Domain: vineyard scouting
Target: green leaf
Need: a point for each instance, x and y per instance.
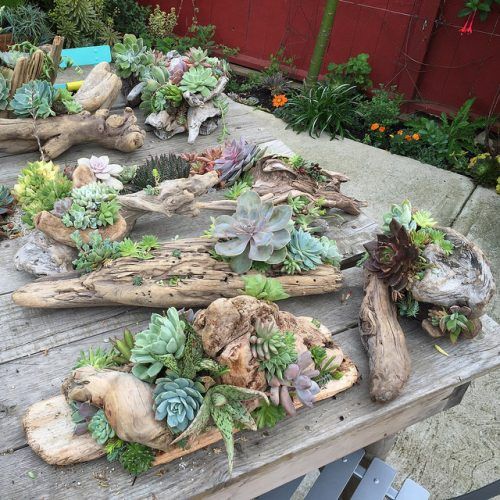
(268, 415)
(261, 287)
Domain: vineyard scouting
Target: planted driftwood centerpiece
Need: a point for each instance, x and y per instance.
(186, 382)
(420, 271)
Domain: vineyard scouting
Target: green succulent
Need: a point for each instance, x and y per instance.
(305, 250)
(167, 166)
(256, 232)
(223, 405)
(97, 358)
(157, 97)
(266, 341)
(408, 306)
(33, 99)
(267, 415)
(95, 253)
(402, 213)
(100, 429)
(131, 57)
(136, 458)
(263, 288)
(280, 357)
(6, 199)
(67, 101)
(177, 400)
(4, 92)
(198, 80)
(198, 56)
(160, 346)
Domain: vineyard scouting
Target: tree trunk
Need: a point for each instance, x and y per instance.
(322, 40)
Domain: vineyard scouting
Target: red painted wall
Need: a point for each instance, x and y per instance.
(414, 44)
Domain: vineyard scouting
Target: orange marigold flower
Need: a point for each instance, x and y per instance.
(279, 100)
(399, 132)
(374, 126)
(408, 137)
(415, 136)
(381, 129)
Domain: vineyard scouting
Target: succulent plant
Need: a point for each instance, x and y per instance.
(197, 56)
(103, 170)
(159, 93)
(128, 173)
(136, 458)
(100, 429)
(237, 157)
(392, 257)
(131, 56)
(305, 250)
(454, 322)
(81, 415)
(95, 253)
(167, 167)
(198, 80)
(266, 340)
(65, 102)
(177, 400)
(256, 232)
(402, 214)
(223, 404)
(203, 162)
(161, 345)
(33, 99)
(4, 92)
(275, 82)
(298, 378)
(6, 200)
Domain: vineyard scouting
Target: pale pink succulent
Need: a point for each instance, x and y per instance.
(104, 171)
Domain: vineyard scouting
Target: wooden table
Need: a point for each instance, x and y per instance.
(38, 349)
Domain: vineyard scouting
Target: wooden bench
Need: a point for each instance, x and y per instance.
(38, 349)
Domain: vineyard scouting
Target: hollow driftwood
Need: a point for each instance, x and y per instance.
(384, 340)
(127, 401)
(181, 274)
(59, 133)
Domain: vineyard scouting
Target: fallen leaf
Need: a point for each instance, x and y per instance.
(441, 350)
(31, 474)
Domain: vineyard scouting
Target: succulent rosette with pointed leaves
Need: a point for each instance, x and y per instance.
(103, 170)
(256, 232)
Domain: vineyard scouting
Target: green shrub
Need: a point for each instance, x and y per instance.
(383, 108)
(356, 71)
(322, 108)
(28, 23)
(128, 16)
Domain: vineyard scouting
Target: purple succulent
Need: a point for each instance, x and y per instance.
(104, 171)
(297, 378)
(62, 206)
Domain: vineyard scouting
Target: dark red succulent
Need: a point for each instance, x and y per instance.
(392, 256)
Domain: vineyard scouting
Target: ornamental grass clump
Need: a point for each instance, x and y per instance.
(256, 232)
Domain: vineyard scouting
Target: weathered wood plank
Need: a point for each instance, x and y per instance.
(266, 459)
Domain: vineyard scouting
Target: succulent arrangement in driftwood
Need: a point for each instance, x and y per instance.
(187, 381)
(421, 271)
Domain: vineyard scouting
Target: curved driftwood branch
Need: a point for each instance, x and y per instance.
(384, 340)
(463, 278)
(59, 133)
(192, 279)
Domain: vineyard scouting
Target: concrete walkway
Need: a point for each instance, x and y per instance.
(458, 450)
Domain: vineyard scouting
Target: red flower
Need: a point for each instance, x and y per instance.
(467, 27)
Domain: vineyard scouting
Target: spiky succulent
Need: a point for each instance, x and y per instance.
(161, 345)
(33, 99)
(454, 322)
(177, 400)
(223, 405)
(131, 56)
(237, 157)
(6, 200)
(392, 256)
(256, 232)
(167, 166)
(136, 458)
(298, 378)
(275, 82)
(266, 340)
(283, 354)
(4, 93)
(198, 80)
(100, 429)
(94, 205)
(196, 56)
(104, 171)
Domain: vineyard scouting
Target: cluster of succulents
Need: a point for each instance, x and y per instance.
(256, 232)
(177, 400)
(160, 346)
(203, 162)
(105, 172)
(40, 185)
(165, 166)
(237, 157)
(198, 80)
(159, 92)
(131, 56)
(93, 205)
(454, 322)
(95, 253)
(33, 99)
(266, 341)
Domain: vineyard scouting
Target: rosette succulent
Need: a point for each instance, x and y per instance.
(33, 99)
(198, 80)
(104, 171)
(237, 157)
(131, 57)
(161, 345)
(196, 56)
(256, 232)
(177, 400)
(266, 341)
(100, 429)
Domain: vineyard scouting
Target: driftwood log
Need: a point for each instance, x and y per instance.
(59, 133)
(384, 341)
(127, 401)
(190, 279)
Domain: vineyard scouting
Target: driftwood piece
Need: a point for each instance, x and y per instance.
(55, 54)
(384, 340)
(197, 280)
(100, 89)
(463, 278)
(59, 133)
(199, 116)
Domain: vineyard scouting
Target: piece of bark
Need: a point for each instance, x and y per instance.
(99, 89)
(26, 69)
(55, 54)
(82, 175)
(384, 340)
(54, 228)
(463, 278)
(198, 280)
(43, 256)
(59, 133)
